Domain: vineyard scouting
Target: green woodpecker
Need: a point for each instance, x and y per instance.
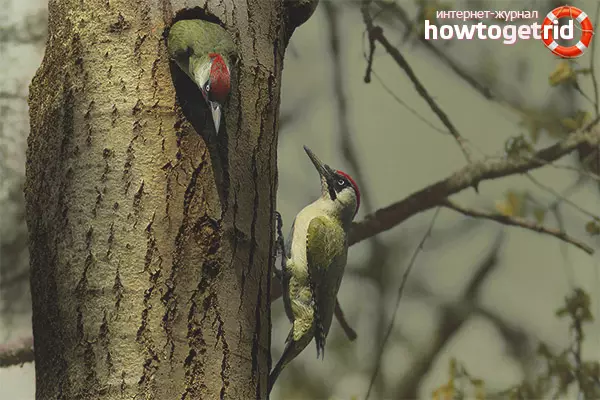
(204, 51)
(315, 260)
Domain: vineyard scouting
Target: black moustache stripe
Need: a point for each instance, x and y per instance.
(332, 192)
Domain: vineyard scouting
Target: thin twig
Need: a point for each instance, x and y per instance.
(579, 90)
(454, 315)
(377, 34)
(520, 222)
(350, 333)
(12, 96)
(581, 171)
(466, 76)
(369, 25)
(400, 291)
(564, 248)
(434, 194)
(565, 194)
(592, 66)
(405, 105)
(554, 208)
(16, 353)
(561, 197)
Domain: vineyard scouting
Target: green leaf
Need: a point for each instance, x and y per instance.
(592, 228)
(513, 204)
(563, 73)
(577, 121)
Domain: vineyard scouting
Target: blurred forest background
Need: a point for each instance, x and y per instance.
(479, 310)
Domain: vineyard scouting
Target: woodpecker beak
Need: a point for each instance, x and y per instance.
(326, 173)
(215, 110)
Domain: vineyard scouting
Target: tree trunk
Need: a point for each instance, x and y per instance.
(150, 247)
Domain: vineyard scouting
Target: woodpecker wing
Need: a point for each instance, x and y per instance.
(325, 246)
(194, 39)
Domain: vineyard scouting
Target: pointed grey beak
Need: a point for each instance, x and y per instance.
(324, 171)
(215, 110)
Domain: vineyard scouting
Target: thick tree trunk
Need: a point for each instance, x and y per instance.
(150, 272)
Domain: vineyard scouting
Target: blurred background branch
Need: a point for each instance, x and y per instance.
(16, 353)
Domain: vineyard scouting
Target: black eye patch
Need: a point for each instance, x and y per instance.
(341, 183)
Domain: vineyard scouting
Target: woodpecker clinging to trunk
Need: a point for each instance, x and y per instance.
(315, 261)
(204, 51)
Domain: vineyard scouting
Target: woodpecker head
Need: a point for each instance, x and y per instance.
(337, 187)
(212, 75)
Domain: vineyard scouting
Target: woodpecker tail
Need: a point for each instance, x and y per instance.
(320, 336)
(291, 351)
(279, 366)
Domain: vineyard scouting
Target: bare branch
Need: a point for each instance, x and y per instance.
(17, 278)
(364, 8)
(375, 33)
(16, 353)
(520, 222)
(402, 15)
(562, 198)
(435, 194)
(12, 96)
(400, 292)
(339, 314)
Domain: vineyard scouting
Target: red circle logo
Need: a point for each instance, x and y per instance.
(587, 31)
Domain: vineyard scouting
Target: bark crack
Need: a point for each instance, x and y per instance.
(143, 337)
(225, 347)
(118, 292)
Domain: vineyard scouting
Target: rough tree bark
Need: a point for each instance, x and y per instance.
(150, 246)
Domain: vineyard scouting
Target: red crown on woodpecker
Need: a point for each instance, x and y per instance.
(219, 78)
(354, 186)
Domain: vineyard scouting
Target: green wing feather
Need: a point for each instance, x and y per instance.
(325, 242)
